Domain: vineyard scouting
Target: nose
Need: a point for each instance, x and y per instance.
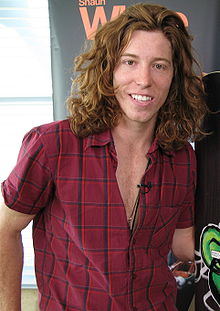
(144, 77)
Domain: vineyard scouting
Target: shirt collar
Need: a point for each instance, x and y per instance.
(104, 138)
(99, 140)
(155, 146)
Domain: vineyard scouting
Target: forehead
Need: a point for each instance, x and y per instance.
(149, 43)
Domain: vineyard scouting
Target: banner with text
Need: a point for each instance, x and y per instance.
(73, 21)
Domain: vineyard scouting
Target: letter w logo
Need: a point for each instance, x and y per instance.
(99, 17)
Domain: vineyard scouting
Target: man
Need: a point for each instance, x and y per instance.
(111, 189)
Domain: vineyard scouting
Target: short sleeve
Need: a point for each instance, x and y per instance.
(29, 187)
(187, 214)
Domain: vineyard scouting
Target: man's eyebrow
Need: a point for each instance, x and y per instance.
(130, 55)
(155, 59)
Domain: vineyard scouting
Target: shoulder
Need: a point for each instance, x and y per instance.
(49, 134)
(46, 139)
(186, 154)
(52, 128)
(185, 158)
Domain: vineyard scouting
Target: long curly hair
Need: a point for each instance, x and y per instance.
(92, 104)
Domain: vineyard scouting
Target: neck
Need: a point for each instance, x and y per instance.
(136, 137)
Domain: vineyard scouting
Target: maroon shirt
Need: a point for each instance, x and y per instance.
(86, 256)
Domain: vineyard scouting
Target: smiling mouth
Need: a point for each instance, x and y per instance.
(142, 98)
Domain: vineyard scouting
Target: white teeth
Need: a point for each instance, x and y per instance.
(140, 97)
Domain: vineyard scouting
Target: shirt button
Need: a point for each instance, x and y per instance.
(134, 241)
(134, 276)
(135, 309)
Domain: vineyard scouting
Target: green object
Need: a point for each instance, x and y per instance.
(210, 251)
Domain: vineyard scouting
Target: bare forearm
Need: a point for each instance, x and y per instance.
(11, 261)
(183, 244)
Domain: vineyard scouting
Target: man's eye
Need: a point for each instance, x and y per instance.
(129, 62)
(159, 66)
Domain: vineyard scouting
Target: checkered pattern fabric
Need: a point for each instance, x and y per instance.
(86, 256)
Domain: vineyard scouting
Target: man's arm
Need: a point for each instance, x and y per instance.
(183, 245)
(11, 257)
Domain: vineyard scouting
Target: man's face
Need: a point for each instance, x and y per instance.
(143, 77)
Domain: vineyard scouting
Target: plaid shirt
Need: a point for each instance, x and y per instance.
(86, 256)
